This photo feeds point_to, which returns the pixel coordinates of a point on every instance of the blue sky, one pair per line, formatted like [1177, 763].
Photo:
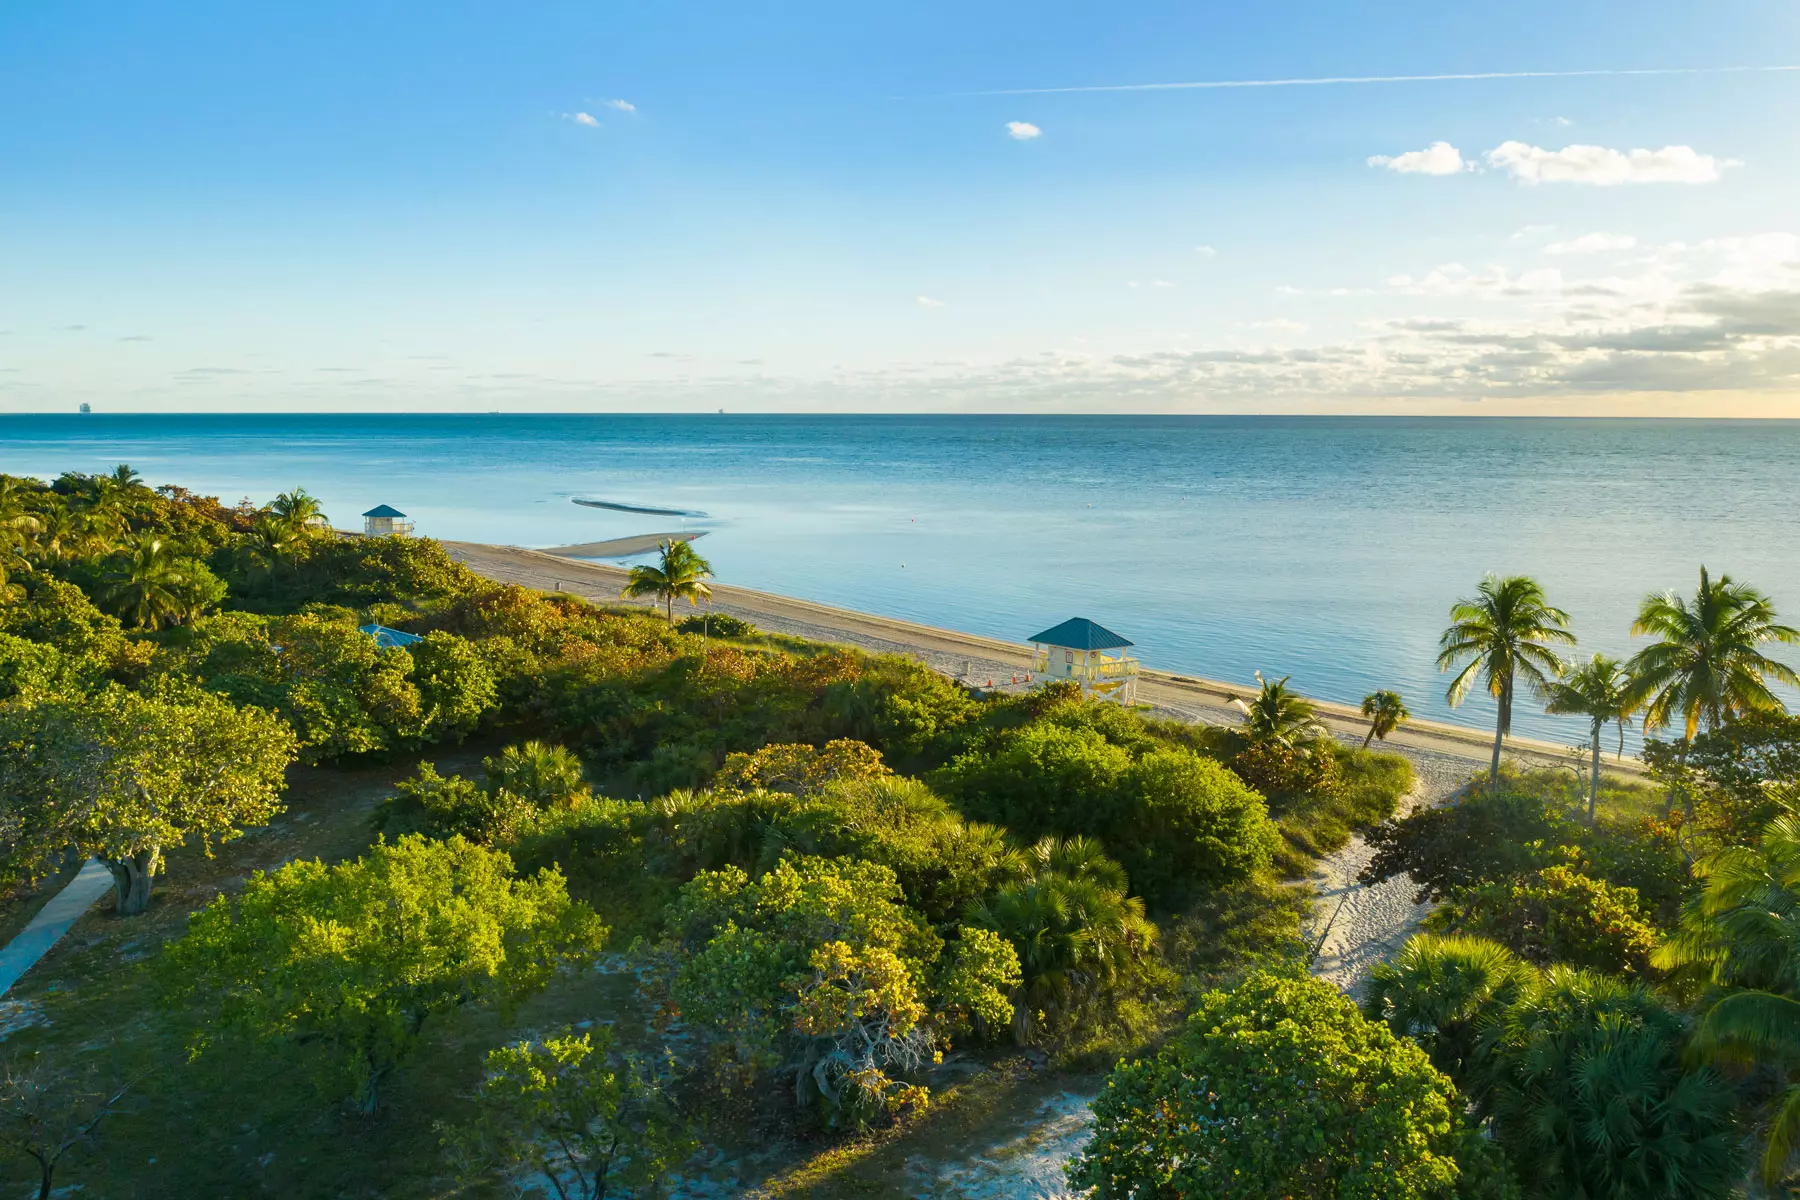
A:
[210, 206]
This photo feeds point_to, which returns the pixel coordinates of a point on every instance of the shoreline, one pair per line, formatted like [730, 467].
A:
[973, 657]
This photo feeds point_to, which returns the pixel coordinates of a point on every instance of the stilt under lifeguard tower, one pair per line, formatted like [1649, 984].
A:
[1077, 649]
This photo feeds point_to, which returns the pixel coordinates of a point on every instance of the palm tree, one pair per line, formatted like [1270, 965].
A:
[680, 573]
[16, 530]
[544, 776]
[1441, 991]
[147, 589]
[1706, 666]
[1599, 690]
[1386, 711]
[299, 509]
[1585, 1084]
[1280, 717]
[1742, 935]
[269, 540]
[61, 531]
[1073, 926]
[1503, 632]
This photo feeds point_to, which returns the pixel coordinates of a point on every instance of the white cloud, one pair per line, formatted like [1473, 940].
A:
[927, 302]
[1454, 279]
[1604, 167]
[1439, 158]
[581, 118]
[1163, 283]
[1560, 122]
[1525, 231]
[1205, 251]
[622, 105]
[1592, 243]
[1022, 131]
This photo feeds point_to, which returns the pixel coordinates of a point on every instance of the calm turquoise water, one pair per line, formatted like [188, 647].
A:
[1328, 548]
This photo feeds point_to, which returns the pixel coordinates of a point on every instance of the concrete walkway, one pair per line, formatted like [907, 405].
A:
[52, 921]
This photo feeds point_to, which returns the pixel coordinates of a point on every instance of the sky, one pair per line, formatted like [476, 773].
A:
[1570, 208]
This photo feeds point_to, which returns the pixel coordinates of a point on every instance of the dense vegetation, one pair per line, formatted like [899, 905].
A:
[800, 889]
[1606, 992]
[625, 888]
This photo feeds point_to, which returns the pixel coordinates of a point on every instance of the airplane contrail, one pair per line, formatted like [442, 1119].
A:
[1328, 81]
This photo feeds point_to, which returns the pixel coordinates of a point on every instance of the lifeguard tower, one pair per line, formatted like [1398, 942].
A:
[384, 520]
[1078, 649]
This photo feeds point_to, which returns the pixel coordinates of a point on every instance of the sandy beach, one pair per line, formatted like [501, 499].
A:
[624, 547]
[979, 660]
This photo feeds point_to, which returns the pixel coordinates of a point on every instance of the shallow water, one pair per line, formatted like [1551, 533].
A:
[1328, 548]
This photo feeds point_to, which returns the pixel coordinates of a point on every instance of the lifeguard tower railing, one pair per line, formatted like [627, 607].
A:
[1089, 666]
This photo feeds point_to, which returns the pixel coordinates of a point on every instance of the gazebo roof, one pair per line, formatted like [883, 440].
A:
[389, 639]
[1079, 633]
[384, 510]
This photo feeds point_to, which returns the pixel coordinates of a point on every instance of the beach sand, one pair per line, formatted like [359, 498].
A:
[624, 547]
[977, 660]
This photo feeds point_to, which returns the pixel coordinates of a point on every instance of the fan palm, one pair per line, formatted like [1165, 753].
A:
[1386, 712]
[679, 574]
[1599, 690]
[1742, 935]
[148, 587]
[1707, 666]
[1441, 991]
[1073, 926]
[1503, 633]
[1280, 717]
[1584, 1079]
[544, 776]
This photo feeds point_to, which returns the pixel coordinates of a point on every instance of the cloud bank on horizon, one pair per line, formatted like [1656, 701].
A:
[496, 225]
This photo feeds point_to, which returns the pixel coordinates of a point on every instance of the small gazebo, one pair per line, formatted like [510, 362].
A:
[1078, 649]
[384, 520]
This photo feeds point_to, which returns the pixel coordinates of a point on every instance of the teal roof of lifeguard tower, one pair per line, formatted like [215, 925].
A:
[384, 510]
[389, 639]
[1079, 633]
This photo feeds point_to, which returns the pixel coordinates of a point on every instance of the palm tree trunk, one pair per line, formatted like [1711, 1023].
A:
[1494, 769]
[1594, 788]
[1370, 736]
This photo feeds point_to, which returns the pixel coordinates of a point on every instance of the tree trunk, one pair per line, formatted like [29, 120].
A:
[1594, 788]
[369, 1103]
[1370, 736]
[1502, 720]
[1494, 770]
[132, 876]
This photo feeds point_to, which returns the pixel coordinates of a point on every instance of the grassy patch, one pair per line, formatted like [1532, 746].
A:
[1623, 799]
[1314, 825]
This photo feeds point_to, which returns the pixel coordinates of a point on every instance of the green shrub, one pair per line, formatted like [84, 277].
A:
[1479, 839]
[1281, 1088]
[819, 970]
[1176, 821]
[716, 625]
[1555, 916]
[441, 807]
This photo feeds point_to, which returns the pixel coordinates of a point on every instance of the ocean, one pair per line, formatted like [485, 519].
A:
[1325, 548]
